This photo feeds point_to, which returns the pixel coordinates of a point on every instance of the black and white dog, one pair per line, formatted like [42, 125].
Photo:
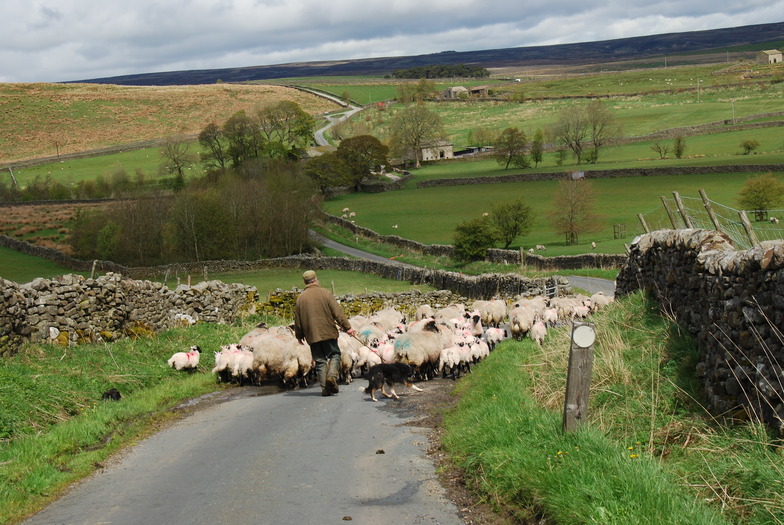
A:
[388, 374]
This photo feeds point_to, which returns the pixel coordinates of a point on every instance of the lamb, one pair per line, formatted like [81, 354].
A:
[599, 300]
[187, 361]
[224, 362]
[537, 332]
[494, 335]
[242, 366]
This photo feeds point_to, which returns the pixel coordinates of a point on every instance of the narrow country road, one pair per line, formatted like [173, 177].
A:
[589, 284]
[293, 457]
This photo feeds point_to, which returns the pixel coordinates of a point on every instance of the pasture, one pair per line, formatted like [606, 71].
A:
[429, 215]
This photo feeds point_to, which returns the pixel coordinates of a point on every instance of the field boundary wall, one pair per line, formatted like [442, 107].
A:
[731, 301]
[603, 174]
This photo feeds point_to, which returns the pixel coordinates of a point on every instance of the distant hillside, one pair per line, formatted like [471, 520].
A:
[635, 48]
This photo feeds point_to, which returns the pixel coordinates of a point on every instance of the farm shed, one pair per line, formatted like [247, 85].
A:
[769, 56]
[480, 91]
[455, 92]
[437, 151]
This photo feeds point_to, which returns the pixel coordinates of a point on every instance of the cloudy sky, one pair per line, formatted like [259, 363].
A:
[60, 40]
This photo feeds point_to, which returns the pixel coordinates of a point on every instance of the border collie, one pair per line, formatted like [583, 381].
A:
[388, 374]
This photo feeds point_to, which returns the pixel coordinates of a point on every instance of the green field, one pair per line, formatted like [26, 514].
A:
[429, 215]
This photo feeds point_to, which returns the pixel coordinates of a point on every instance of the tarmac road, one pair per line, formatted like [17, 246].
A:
[294, 457]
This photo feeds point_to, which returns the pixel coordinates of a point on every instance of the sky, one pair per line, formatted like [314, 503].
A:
[65, 40]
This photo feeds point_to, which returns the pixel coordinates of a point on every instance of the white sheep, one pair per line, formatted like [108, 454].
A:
[593, 245]
[187, 361]
[774, 220]
[541, 247]
[520, 321]
[423, 311]
[494, 335]
[421, 350]
[538, 332]
[599, 301]
[352, 215]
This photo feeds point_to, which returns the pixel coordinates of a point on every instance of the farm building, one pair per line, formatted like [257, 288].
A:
[480, 91]
[455, 92]
[437, 151]
[769, 56]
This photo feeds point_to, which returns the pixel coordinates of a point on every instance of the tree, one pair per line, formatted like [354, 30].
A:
[510, 220]
[413, 128]
[577, 128]
[660, 149]
[573, 213]
[537, 148]
[472, 239]
[328, 170]
[243, 137]
[362, 155]
[176, 157]
[761, 193]
[602, 127]
[571, 129]
[285, 129]
[481, 136]
[749, 145]
[212, 140]
[510, 147]
[679, 146]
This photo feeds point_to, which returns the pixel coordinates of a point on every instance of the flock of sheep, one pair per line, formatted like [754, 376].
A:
[445, 341]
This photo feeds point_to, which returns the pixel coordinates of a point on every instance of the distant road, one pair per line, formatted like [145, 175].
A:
[589, 284]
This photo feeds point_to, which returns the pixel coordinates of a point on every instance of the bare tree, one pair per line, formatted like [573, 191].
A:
[573, 210]
[578, 128]
[176, 157]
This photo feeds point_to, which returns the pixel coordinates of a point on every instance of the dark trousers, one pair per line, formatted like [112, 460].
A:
[323, 352]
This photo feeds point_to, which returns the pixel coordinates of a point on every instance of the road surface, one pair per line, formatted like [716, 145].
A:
[294, 457]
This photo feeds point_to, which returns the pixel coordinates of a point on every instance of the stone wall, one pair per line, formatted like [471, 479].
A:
[604, 174]
[71, 309]
[731, 301]
[494, 255]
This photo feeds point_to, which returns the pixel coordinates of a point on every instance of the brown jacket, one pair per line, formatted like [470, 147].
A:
[316, 314]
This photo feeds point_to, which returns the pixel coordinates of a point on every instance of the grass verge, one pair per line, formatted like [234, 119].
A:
[649, 452]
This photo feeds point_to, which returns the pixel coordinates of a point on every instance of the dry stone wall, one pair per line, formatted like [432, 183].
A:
[71, 309]
[733, 303]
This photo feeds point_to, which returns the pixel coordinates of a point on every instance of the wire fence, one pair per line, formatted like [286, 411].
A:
[764, 225]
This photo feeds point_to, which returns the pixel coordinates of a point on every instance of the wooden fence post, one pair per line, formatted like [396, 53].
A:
[578, 377]
[669, 213]
[644, 224]
[709, 209]
[749, 230]
[682, 210]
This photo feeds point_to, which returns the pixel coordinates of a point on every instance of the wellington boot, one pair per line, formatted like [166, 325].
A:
[333, 372]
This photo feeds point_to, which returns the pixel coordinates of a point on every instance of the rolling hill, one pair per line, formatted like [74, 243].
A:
[739, 41]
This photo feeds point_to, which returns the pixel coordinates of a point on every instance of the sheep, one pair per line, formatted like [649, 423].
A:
[345, 210]
[494, 335]
[537, 332]
[187, 361]
[259, 330]
[599, 301]
[520, 321]
[450, 312]
[492, 312]
[352, 215]
[550, 316]
[541, 247]
[224, 362]
[421, 350]
[242, 366]
[774, 220]
[423, 311]
[388, 318]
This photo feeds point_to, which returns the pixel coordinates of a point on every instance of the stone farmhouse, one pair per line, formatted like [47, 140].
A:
[438, 150]
[769, 56]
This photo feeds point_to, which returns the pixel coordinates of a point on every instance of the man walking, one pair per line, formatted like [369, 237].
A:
[316, 319]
